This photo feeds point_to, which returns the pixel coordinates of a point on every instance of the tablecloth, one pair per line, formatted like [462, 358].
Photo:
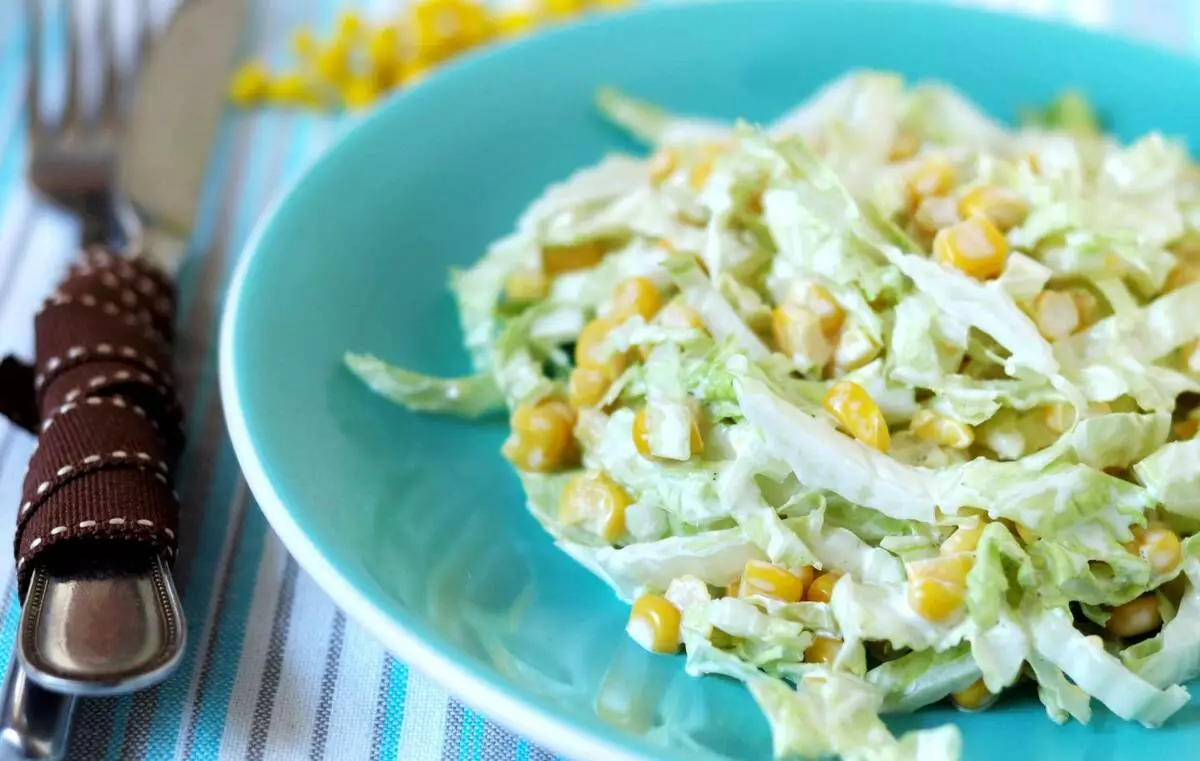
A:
[273, 669]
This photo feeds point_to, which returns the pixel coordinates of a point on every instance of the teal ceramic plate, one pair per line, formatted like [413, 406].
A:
[414, 524]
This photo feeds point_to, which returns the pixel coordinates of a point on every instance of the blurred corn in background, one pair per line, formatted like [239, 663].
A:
[364, 58]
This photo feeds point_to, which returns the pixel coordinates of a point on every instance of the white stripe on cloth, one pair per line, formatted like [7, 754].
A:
[299, 690]
[424, 727]
[357, 688]
[254, 650]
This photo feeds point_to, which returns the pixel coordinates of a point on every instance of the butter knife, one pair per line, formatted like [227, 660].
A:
[162, 164]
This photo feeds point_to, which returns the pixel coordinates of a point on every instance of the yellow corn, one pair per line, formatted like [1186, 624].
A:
[595, 502]
[975, 247]
[797, 333]
[823, 650]
[526, 285]
[587, 386]
[559, 259]
[250, 84]
[635, 296]
[515, 22]
[964, 539]
[1157, 545]
[769, 580]
[821, 588]
[816, 298]
[936, 587]
[930, 426]
[383, 52]
[905, 145]
[855, 348]
[1087, 305]
[591, 348]
[641, 436]
[857, 412]
[333, 63]
[1135, 618]
[1004, 207]
[360, 92]
[974, 698]
[291, 89]
[654, 624]
[542, 438]
[1059, 417]
[663, 164]
[1056, 314]
[1184, 273]
[934, 177]
[934, 213]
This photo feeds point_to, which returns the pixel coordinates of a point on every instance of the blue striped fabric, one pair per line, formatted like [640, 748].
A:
[274, 670]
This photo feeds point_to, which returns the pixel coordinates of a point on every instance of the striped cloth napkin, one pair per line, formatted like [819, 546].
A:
[273, 668]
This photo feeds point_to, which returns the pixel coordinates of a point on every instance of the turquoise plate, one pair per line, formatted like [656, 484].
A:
[414, 524]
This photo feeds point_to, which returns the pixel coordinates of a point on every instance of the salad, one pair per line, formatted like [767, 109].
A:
[881, 405]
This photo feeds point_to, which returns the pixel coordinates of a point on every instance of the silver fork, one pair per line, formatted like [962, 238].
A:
[73, 164]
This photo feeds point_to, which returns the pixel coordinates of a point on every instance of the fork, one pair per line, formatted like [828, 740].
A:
[72, 163]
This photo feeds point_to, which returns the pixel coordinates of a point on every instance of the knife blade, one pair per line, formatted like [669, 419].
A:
[164, 149]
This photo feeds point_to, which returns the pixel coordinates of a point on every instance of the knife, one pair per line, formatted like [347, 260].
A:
[161, 165]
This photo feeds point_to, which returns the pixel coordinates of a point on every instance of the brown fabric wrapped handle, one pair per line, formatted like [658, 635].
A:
[98, 488]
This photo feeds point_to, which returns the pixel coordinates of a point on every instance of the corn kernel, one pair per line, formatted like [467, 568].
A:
[823, 650]
[383, 51]
[816, 298]
[515, 22]
[935, 600]
[769, 580]
[662, 164]
[1056, 314]
[964, 539]
[360, 93]
[930, 426]
[641, 436]
[1059, 417]
[596, 503]
[1184, 273]
[934, 213]
[1135, 618]
[304, 43]
[291, 90]
[591, 349]
[333, 63]
[677, 314]
[798, 335]
[857, 412]
[905, 145]
[821, 589]
[635, 296]
[1004, 207]
[974, 698]
[1087, 305]
[936, 587]
[559, 259]
[975, 247]
[934, 177]
[542, 437]
[654, 624]
[349, 25]
[1157, 545]
[250, 84]
[526, 285]
[588, 386]
[855, 348]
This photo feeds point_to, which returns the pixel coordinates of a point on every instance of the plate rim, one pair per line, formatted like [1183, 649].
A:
[483, 692]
